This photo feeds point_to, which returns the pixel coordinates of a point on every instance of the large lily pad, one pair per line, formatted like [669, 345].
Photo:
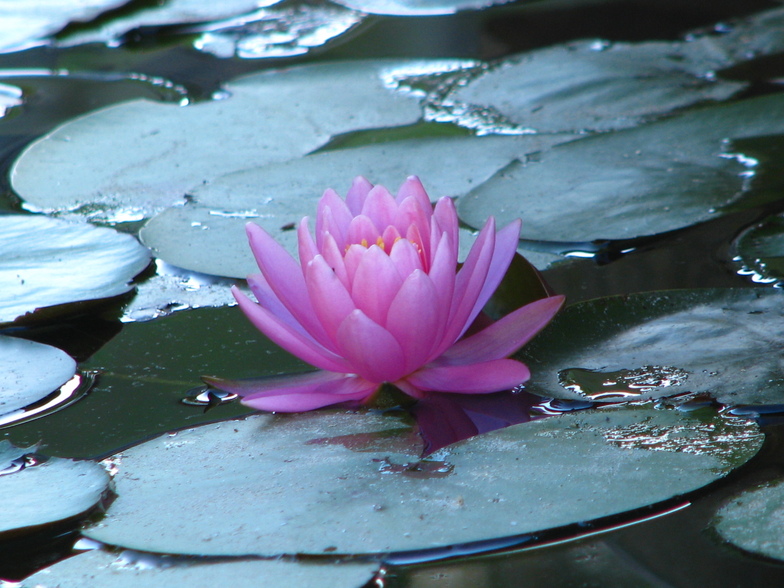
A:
[98, 569]
[206, 235]
[167, 13]
[279, 31]
[589, 86]
[147, 370]
[23, 24]
[642, 181]
[338, 482]
[753, 520]
[30, 371]
[726, 342]
[46, 262]
[10, 96]
[37, 491]
[128, 161]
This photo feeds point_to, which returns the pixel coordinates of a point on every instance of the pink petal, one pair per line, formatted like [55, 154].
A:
[413, 188]
[477, 378]
[291, 339]
[352, 259]
[405, 257]
[412, 391]
[297, 392]
[305, 244]
[468, 285]
[334, 258]
[371, 350]
[376, 283]
[506, 241]
[445, 221]
[414, 317]
[505, 336]
[267, 298]
[380, 207]
[285, 278]
[329, 296]
[332, 216]
[362, 229]
[357, 194]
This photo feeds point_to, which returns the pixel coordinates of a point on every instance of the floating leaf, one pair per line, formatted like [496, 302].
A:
[342, 482]
[31, 371]
[46, 262]
[753, 520]
[726, 342]
[207, 234]
[95, 569]
[128, 161]
[293, 29]
[642, 181]
[588, 86]
[167, 13]
[29, 23]
[10, 96]
[145, 373]
[37, 491]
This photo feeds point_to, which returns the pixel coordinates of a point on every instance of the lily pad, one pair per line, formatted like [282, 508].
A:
[643, 181]
[31, 371]
[97, 569]
[10, 96]
[38, 491]
[147, 370]
[761, 249]
[285, 31]
[160, 14]
[589, 86]
[418, 7]
[753, 520]
[206, 235]
[726, 342]
[342, 482]
[46, 262]
[30, 23]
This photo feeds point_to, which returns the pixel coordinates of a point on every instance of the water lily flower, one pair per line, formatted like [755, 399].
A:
[377, 297]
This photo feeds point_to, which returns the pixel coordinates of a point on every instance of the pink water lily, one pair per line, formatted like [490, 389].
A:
[377, 297]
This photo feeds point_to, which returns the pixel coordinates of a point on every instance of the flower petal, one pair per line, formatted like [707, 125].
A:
[305, 244]
[505, 336]
[413, 188]
[334, 258]
[361, 231]
[297, 392]
[355, 198]
[331, 301]
[284, 276]
[371, 350]
[414, 319]
[380, 207]
[405, 257]
[445, 221]
[292, 340]
[375, 285]
[333, 216]
[477, 378]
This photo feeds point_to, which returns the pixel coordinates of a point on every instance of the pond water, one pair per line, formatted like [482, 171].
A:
[651, 227]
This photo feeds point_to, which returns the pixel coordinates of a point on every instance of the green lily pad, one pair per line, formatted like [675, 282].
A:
[131, 160]
[146, 371]
[343, 482]
[418, 7]
[30, 371]
[30, 23]
[589, 86]
[10, 96]
[46, 262]
[97, 569]
[36, 491]
[207, 235]
[279, 31]
[642, 181]
[726, 342]
[160, 14]
[753, 520]
[761, 250]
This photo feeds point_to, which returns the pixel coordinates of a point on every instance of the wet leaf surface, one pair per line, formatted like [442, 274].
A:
[97, 569]
[725, 342]
[46, 262]
[35, 490]
[303, 494]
